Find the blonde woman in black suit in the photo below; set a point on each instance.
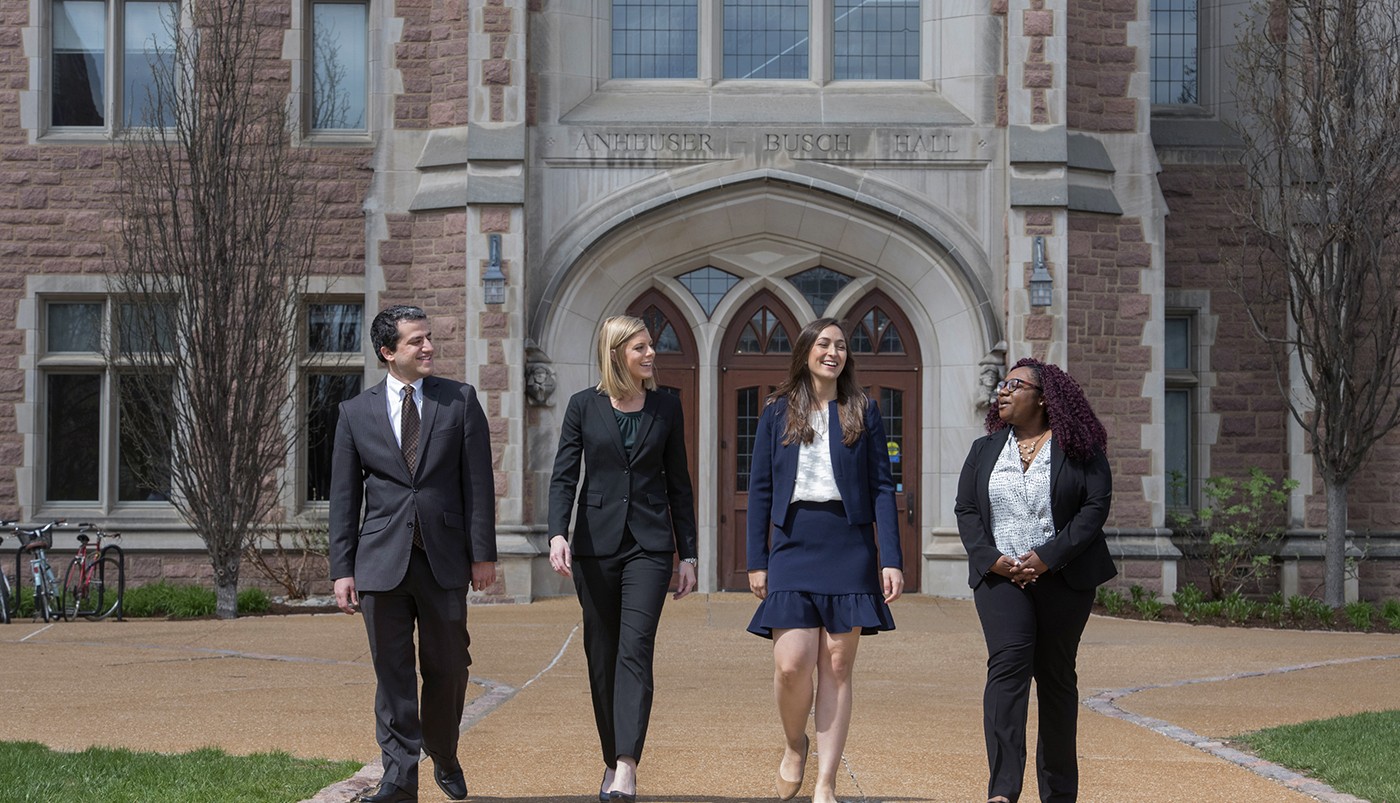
(635, 510)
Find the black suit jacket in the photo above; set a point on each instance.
(1080, 496)
(452, 493)
(649, 492)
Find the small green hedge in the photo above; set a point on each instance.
(187, 601)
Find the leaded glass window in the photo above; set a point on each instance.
(663, 336)
(766, 38)
(1174, 52)
(876, 40)
(655, 38)
(819, 286)
(763, 334)
(708, 285)
(876, 334)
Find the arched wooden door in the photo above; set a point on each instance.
(887, 357)
(676, 367)
(753, 358)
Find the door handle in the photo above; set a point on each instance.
(911, 515)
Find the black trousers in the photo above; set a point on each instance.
(1032, 632)
(621, 596)
(441, 617)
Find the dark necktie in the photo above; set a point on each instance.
(408, 442)
(408, 430)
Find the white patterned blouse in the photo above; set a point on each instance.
(1021, 516)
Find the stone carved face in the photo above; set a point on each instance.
(539, 382)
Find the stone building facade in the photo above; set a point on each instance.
(524, 168)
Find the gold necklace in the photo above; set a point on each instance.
(1027, 449)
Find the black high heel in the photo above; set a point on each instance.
(615, 796)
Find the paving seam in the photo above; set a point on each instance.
(1106, 703)
(497, 694)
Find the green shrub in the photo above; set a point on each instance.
(1112, 601)
(1138, 593)
(1298, 607)
(186, 601)
(1150, 609)
(1210, 610)
(1390, 612)
(1360, 614)
(1240, 523)
(1273, 612)
(1237, 608)
(253, 600)
(1188, 595)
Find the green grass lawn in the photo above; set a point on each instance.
(35, 774)
(1353, 754)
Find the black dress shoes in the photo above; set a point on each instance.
(621, 797)
(451, 781)
(388, 793)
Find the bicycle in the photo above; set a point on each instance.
(95, 583)
(8, 598)
(35, 542)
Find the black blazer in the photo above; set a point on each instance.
(648, 493)
(1080, 496)
(452, 494)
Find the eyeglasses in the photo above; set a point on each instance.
(1012, 385)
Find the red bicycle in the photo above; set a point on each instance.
(95, 582)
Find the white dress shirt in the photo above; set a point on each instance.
(394, 394)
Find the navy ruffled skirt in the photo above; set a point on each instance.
(822, 572)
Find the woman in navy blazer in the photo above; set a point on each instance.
(820, 490)
(1032, 501)
(636, 509)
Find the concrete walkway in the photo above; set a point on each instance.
(1159, 698)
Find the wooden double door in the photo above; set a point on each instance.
(754, 356)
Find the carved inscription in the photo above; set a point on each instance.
(879, 144)
(934, 142)
(636, 143)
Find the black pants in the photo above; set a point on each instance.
(621, 596)
(441, 616)
(1032, 632)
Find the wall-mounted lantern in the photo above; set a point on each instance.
(1042, 286)
(493, 280)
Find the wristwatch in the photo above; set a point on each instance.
(694, 562)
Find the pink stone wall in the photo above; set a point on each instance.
(1106, 318)
(1099, 64)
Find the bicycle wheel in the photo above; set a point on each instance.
(74, 600)
(106, 587)
(44, 602)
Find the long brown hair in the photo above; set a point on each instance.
(801, 395)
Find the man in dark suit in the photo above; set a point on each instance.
(415, 452)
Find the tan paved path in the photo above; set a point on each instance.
(303, 684)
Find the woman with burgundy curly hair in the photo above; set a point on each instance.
(1032, 501)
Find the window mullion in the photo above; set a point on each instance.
(819, 48)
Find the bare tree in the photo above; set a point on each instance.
(1319, 93)
(217, 225)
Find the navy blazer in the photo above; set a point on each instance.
(648, 493)
(862, 476)
(452, 494)
(1080, 496)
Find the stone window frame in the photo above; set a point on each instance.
(322, 363)
(821, 59)
(303, 82)
(1199, 379)
(36, 106)
(38, 365)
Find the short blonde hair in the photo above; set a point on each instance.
(615, 380)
